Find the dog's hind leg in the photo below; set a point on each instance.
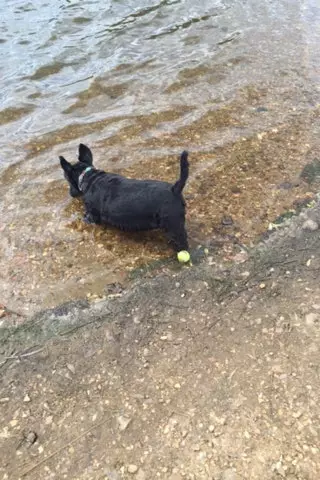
(176, 233)
(88, 218)
(91, 217)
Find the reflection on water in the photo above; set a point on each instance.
(236, 83)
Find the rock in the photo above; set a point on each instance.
(229, 474)
(26, 398)
(227, 221)
(285, 186)
(311, 171)
(30, 438)
(310, 225)
(123, 422)
(241, 257)
(311, 319)
(132, 468)
(175, 476)
(48, 420)
(261, 109)
(141, 475)
(71, 368)
(277, 467)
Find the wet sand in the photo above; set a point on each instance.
(236, 86)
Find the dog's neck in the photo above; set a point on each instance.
(81, 177)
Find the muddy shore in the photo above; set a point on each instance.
(206, 373)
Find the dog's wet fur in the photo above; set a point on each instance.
(129, 204)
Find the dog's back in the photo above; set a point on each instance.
(132, 204)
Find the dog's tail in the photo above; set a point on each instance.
(184, 173)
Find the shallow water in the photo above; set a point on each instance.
(234, 82)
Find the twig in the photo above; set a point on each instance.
(64, 447)
(8, 311)
(18, 356)
(283, 262)
(77, 327)
(175, 306)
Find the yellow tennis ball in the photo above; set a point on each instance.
(183, 256)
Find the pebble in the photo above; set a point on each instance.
(229, 474)
(71, 368)
(175, 476)
(141, 475)
(310, 225)
(123, 423)
(132, 468)
(311, 319)
(48, 420)
(27, 398)
(30, 439)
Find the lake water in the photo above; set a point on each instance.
(236, 82)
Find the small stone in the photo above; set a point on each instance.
(177, 386)
(241, 257)
(311, 319)
(297, 414)
(227, 221)
(30, 439)
(310, 225)
(229, 474)
(245, 274)
(27, 398)
(141, 475)
(48, 420)
(132, 468)
(123, 422)
(71, 368)
(262, 286)
(279, 469)
(211, 428)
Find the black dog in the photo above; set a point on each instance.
(128, 204)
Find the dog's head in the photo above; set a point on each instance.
(73, 172)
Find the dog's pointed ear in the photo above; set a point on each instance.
(85, 154)
(66, 166)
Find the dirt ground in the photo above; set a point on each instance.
(211, 372)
